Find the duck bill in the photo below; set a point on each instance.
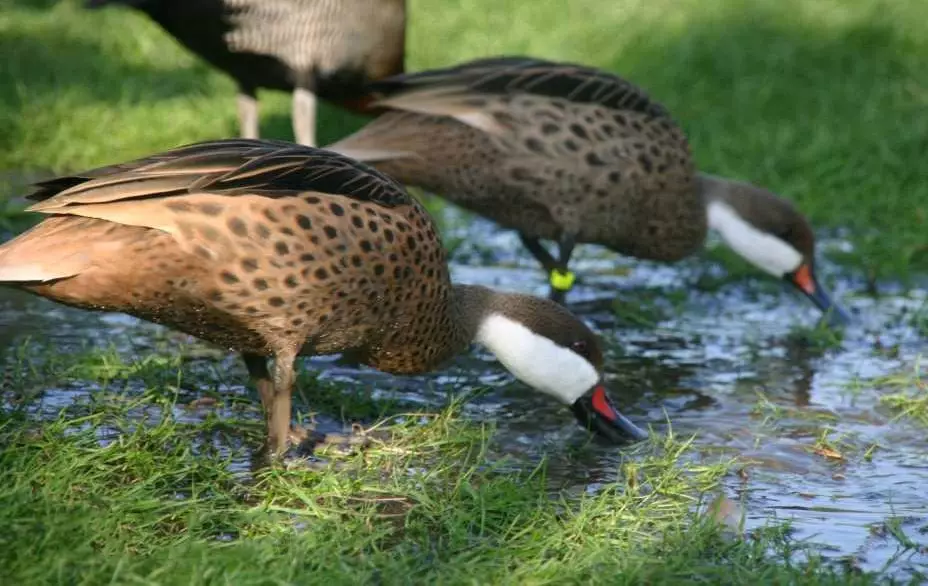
(805, 280)
(596, 412)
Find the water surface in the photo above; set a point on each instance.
(723, 364)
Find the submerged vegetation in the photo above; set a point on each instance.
(908, 394)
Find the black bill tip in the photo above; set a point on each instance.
(596, 412)
(804, 279)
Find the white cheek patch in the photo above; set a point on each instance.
(536, 360)
(764, 251)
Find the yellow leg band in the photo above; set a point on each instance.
(562, 280)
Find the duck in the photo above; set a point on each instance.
(328, 49)
(572, 154)
(276, 250)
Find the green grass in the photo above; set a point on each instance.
(908, 395)
(434, 502)
(820, 100)
(92, 496)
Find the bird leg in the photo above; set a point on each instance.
(247, 113)
(304, 116)
(275, 398)
(559, 275)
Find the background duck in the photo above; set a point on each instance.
(573, 154)
(275, 250)
(314, 48)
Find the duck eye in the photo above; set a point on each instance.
(579, 347)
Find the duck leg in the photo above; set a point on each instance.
(247, 112)
(559, 275)
(304, 116)
(275, 397)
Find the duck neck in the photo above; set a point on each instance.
(747, 218)
(471, 305)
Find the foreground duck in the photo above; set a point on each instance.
(572, 154)
(315, 48)
(275, 250)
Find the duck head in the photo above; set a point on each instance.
(770, 233)
(551, 350)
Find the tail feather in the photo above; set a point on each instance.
(49, 251)
(393, 136)
(367, 155)
(32, 273)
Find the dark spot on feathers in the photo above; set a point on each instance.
(579, 131)
(535, 145)
(237, 226)
(260, 284)
(330, 232)
(281, 248)
(210, 233)
(304, 222)
(180, 206)
(275, 301)
(228, 277)
(211, 209)
(337, 209)
(322, 274)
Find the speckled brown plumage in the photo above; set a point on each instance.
(547, 149)
(562, 152)
(269, 249)
(324, 48)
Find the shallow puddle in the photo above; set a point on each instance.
(813, 442)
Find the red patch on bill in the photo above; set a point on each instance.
(803, 279)
(601, 404)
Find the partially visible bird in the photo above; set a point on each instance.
(274, 250)
(573, 154)
(315, 48)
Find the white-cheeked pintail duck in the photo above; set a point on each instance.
(326, 49)
(275, 250)
(572, 154)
